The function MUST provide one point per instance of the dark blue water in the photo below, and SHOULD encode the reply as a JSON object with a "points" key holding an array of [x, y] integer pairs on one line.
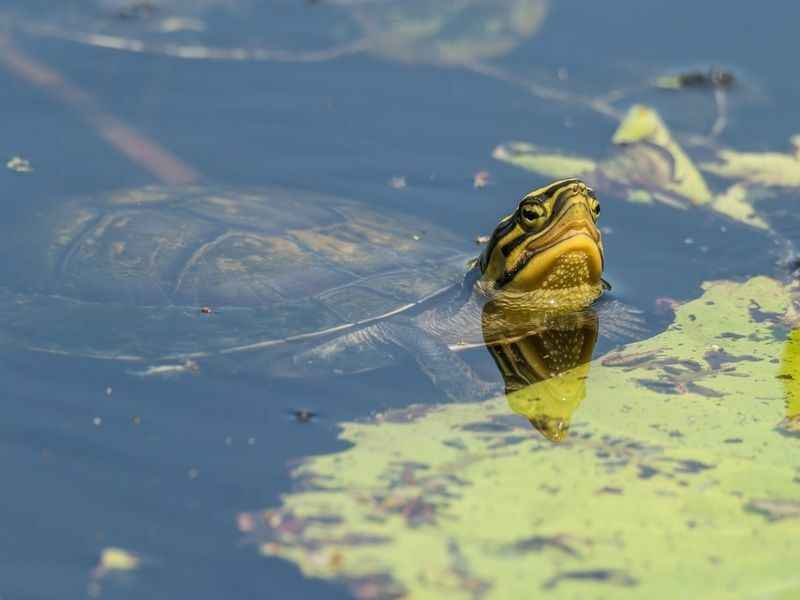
{"points": [[161, 466]]}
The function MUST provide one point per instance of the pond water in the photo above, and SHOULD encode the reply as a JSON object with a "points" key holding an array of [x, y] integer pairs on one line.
{"points": [[95, 456]]}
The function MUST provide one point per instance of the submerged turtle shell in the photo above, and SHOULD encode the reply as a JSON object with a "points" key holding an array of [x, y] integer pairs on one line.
{"points": [[126, 276]]}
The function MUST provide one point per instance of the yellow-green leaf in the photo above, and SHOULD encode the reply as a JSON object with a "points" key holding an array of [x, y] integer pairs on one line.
{"points": [[765, 168], [643, 124], [737, 203], [674, 482], [546, 164], [647, 163]]}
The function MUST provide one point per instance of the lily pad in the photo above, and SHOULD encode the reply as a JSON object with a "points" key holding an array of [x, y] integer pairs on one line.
{"points": [[674, 481]]}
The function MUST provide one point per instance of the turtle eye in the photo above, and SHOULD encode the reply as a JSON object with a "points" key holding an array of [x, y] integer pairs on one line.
{"points": [[594, 203], [533, 212]]}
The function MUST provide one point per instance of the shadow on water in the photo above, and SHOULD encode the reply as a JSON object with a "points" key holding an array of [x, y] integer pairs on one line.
{"points": [[310, 96]]}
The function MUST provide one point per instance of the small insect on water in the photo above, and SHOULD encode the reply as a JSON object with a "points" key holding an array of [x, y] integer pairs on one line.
{"points": [[304, 416]]}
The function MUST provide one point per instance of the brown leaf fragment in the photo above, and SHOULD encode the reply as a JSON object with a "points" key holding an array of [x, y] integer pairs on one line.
{"points": [[775, 509], [666, 304], [245, 522], [380, 586], [790, 425]]}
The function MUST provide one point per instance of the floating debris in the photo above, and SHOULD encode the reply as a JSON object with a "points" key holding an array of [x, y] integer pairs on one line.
{"points": [[115, 559], [398, 182], [481, 179], [713, 77], [19, 164], [188, 366], [206, 310]]}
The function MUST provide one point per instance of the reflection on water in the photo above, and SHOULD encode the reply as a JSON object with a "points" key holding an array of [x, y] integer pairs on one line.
{"points": [[442, 32], [789, 374], [545, 371]]}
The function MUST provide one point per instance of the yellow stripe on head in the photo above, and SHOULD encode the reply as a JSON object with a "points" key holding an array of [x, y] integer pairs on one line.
{"points": [[550, 245]]}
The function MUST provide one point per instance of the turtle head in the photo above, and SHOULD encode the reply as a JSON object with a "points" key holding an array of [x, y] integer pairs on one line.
{"points": [[548, 250]]}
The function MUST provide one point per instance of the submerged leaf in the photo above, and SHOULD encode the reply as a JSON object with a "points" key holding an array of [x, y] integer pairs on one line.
{"points": [[661, 490], [448, 32], [648, 163], [643, 124]]}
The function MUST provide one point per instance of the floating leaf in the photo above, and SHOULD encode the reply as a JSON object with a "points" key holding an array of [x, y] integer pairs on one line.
{"points": [[674, 481], [765, 168], [648, 164], [548, 164], [115, 560], [737, 202]]}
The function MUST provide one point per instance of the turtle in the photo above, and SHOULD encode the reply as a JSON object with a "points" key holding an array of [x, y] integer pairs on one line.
{"points": [[165, 273]]}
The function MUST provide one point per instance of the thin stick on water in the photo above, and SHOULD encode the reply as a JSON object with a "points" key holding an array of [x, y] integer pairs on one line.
{"points": [[598, 105], [139, 149]]}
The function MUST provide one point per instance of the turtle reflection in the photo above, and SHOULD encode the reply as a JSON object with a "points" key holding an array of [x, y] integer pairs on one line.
{"points": [[544, 369]]}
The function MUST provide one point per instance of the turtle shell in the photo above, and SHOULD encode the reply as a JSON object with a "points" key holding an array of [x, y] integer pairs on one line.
{"points": [[128, 276]]}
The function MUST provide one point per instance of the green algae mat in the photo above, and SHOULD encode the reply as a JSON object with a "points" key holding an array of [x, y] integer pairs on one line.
{"points": [[680, 477]]}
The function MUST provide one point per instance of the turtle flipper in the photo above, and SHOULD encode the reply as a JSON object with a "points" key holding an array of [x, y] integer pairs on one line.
{"points": [[384, 343], [620, 322]]}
